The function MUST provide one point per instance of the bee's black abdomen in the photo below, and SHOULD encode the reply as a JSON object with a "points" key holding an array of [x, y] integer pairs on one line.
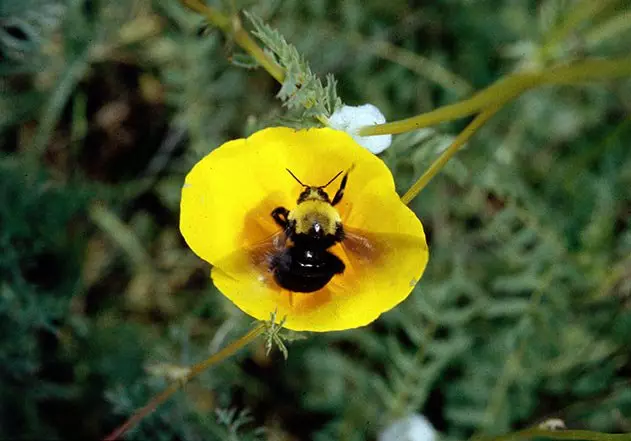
{"points": [[305, 270]]}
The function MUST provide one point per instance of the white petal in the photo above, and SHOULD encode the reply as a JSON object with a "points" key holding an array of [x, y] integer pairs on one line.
{"points": [[350, 119], [414, 427]]}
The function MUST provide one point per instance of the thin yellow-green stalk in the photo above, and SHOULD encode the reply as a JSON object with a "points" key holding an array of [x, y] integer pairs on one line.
{"points": [[460, 140], [484, 103], [233, 27], [507, 89], [194, 370], [574, 435]]}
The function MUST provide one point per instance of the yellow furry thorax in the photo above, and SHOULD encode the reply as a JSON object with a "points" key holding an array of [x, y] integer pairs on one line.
{"points": [[315, 211]]}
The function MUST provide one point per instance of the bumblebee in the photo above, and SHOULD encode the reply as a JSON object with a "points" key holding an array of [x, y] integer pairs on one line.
{"points": [[305, 263], [305, 254]]}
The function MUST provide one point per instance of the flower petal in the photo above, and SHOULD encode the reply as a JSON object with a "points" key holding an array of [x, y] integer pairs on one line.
{"points": [[226, 219], [247, 179], [351, 119]]}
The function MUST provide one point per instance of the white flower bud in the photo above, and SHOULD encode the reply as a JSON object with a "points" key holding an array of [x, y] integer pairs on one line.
{"points": [[414, 427], [350, 119]]}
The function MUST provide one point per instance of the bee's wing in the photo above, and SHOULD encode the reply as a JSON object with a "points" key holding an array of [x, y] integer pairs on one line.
{"points": [[368, 248], [381, 270], [380, 259], [246, 278], [253, 260]]}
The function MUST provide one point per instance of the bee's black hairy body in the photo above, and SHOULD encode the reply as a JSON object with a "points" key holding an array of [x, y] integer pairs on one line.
{"points": [[305, 263]]}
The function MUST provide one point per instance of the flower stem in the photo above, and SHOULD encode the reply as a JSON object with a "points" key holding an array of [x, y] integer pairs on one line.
{"points": [[492, 99], [506, 90], [502, 91], [240, 35], [587, 70], [460, 140], [576, 435], [193, 371]]}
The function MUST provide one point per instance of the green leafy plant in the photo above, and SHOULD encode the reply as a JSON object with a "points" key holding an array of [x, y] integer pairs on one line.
{"points": [[522, 315]]}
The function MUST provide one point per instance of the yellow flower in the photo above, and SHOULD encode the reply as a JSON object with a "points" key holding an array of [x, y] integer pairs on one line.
{"points": [[226, 207]]}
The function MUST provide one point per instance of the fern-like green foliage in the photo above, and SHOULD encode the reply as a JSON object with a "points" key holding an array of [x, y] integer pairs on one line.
{"points": [[301, 90], [523, 312], [39, 275]]}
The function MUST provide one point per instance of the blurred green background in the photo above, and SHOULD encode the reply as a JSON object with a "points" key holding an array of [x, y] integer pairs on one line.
{"points": [[524, 311]]}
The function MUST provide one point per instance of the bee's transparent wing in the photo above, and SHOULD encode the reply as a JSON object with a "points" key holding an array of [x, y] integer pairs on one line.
{"points": [[379, 260], [252, 261]]}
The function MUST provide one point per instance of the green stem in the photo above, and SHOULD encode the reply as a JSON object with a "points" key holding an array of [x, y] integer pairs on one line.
{"points": [[502, 91], [576, 435], [194, 370], [588, 70], [233, 27], [460, 140], [506, 90]]}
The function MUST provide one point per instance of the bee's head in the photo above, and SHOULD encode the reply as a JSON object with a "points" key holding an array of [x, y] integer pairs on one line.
{"points": [[313, 193]]}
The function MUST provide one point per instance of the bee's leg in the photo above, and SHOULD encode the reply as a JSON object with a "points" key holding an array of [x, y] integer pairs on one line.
{"points": [[340, 192], [279, 214]]}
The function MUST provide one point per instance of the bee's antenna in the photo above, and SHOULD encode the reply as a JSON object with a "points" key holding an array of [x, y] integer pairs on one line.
{"points": [[294, 176], [332, 179]]}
